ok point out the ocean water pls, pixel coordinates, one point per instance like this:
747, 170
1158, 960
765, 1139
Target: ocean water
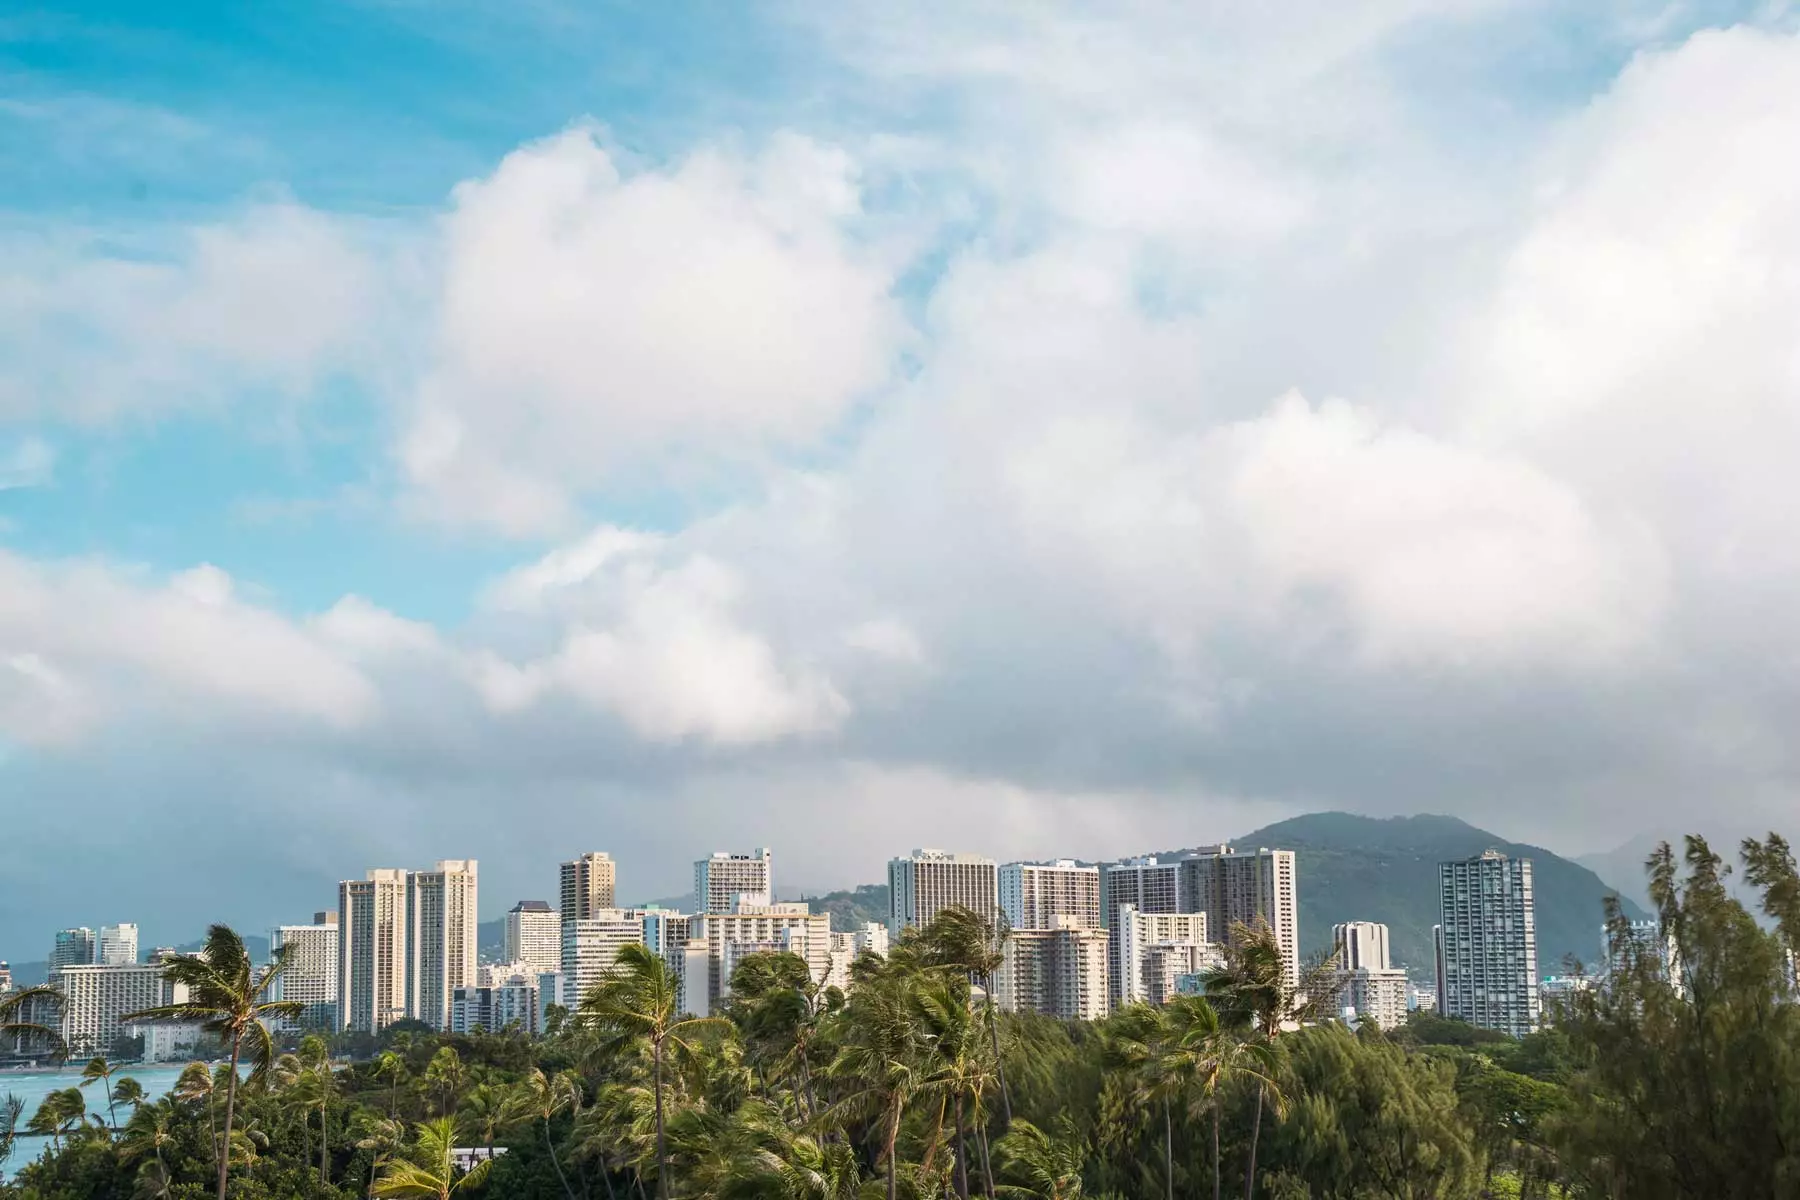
33, 1086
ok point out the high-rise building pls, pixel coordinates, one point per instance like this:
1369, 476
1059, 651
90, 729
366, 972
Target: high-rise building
311, 974
667, 932
117, 945
930, 880
97, 995
441, 937
1060, 972
499, 1001
728, 938
1646, 941
722, 878
1487, 943
1040, 895
871, 937
1360, 945
1153, 950
588, 887
1148, 885
372, 950
6, 982
1243, 887
590, 949
534, 934
73, 948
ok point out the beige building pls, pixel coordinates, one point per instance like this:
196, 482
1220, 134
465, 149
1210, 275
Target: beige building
311, 975
441, 934
534, 934
588, 887
931, 880
720, 879
1154, 949
1040, 895
1148, 885
1360, 945
1060, 972
1235, 887
97, 995
728, 938
117, 945
372, 950
590, 949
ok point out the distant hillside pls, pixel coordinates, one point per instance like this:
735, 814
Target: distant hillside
1363, 869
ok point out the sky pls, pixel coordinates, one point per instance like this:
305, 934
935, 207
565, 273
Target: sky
512, 430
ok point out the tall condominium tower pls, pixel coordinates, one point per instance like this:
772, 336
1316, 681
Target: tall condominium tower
117, 945
1155, 949
722, 878
1369, 988
1039, 895
1148, 885
1059, 971
931, 880
311, 977
750, 928
590, 949
1487, 943
588, 884
372, 950
534, 934
1235, 887
97, 995
73, 948
441, 920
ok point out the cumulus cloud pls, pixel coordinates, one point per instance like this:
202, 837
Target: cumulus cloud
593, 314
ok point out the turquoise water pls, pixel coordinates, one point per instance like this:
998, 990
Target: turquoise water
33, 1086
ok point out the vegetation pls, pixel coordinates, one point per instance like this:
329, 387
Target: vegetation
1661, 1085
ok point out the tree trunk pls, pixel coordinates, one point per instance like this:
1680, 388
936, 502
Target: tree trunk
1217, 1172
893, 1139
551, 1147
987, 1166
324, 1142
999, 1059
237, 1045
962, 1152
1168, 1149
1255, 1134
662, 1150
112, 1116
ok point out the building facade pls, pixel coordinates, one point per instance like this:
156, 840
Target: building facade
721, 878
441, 937
1487, 943
1244, 887
589, 884
499, 1002
1148, 885
931, 880
311, 974
590, 949
372, 950
97, 995
1040, 895
534, 935
1152, 950
117, 945
728, 938
72, 948
1360, 945
1368, 988
1060, 972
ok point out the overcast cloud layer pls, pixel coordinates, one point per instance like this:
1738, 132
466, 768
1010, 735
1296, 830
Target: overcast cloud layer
1083, 434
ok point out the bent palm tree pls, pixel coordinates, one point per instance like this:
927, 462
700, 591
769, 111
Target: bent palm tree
99, 1070
16, 1006
11, 1109
541, 1097
1049, 1168
228, 1000
638, 1002
428, 1170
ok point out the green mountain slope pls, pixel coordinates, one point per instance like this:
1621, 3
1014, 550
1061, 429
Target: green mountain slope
1355, 868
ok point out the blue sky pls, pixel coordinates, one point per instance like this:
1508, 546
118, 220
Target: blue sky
447, 430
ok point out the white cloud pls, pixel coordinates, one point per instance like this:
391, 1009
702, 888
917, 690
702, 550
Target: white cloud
31, 462
593, 316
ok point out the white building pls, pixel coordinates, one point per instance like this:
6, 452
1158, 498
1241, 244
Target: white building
311, 974
1561, 987
1646, 939
871, 937
534, 935
1153, 949
590, 949
667, 932
1368, 988
728, 938
97, 995
117, 945
722, 878
1148, 885
499, 1001
1060, 972
372, 950
73, 948
1487, 943
932, 880
441, 936
1234, 887
588, 886
1040, 895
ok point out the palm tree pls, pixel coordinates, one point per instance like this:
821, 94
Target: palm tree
99, 1070
542, 1097
1254, 992
957, 1067
1204, 1059
1049, 1166
486, 1113
15, 1005
963, 939
129, 1091
11, 1109
428, 1172
393, 1067
229, 1001
382, 1137
58, 1112
150, 1130
446, 1074
194, 1085
1137, 1043
637, 1001
880, 1060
